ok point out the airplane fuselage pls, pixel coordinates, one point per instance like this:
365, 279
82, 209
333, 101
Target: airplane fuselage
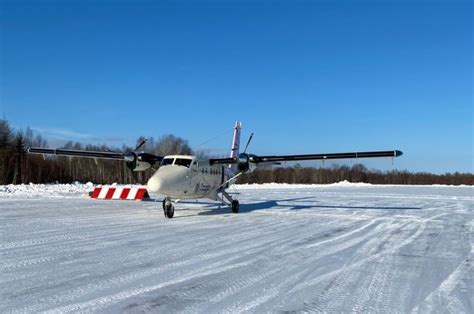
184, 177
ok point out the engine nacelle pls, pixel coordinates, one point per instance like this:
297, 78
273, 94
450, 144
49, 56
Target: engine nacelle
141, 166
244, 164
139, 162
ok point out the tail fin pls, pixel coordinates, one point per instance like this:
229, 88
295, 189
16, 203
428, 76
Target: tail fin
236, 140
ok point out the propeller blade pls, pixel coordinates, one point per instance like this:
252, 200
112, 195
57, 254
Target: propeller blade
140, 145
248, 142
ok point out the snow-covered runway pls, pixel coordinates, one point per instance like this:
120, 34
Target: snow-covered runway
343, 247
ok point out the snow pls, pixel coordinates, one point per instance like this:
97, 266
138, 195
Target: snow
337, 248
73, 190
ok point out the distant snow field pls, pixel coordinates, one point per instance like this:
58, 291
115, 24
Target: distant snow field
337, 248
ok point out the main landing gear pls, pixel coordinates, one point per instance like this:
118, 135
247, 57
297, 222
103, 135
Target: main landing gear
234, 204
168, 208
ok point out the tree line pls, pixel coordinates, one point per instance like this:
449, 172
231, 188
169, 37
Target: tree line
16, 166
356, 173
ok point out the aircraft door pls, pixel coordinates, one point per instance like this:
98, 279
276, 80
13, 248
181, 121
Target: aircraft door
193, 173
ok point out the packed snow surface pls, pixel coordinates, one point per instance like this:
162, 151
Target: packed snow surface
343, 247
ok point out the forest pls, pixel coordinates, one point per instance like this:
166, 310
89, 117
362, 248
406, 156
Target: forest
17, 166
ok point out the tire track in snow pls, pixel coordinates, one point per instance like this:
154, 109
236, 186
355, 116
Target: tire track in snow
198, 258
240, 281
333, 295
248, 251
441, 297
105, 301
261, 246
371, 292
272, 269
295, 273
344, 274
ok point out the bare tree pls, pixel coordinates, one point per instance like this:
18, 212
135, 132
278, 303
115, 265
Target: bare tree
18, 167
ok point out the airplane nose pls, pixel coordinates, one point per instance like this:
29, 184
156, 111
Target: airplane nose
155, 184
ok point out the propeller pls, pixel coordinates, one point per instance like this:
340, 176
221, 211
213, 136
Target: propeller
248, 142
141, 161
132, 156
243, 160
141, 144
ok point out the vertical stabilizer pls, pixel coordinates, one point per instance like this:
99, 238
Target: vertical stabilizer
236, 140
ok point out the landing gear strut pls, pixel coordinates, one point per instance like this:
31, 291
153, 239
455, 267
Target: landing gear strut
234, 204
168, 208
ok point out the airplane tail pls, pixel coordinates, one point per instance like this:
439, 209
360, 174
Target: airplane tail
236, 140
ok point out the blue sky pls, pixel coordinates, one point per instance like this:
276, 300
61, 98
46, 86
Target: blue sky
305, 76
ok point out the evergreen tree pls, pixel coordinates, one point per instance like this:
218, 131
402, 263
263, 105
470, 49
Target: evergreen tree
19, 153
6, 136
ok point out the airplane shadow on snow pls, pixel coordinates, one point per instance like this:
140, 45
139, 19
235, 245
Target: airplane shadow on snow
218, 209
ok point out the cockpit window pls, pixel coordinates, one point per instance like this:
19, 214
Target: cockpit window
167, 161
183, 162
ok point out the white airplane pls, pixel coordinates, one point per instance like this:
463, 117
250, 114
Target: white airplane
190, 177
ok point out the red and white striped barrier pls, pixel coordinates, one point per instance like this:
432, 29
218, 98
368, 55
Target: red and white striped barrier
119, 193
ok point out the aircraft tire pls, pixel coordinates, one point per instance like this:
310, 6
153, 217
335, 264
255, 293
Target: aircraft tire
169, 210
235, 206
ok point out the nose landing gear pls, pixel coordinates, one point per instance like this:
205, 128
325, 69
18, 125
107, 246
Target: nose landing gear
168, 208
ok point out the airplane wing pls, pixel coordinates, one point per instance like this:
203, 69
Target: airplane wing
76, 153
352, 155
277, 158
135, 161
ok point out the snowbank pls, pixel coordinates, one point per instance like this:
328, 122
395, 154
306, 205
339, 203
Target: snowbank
48, 190
51, 190
264, 186
79, 189
344, 183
